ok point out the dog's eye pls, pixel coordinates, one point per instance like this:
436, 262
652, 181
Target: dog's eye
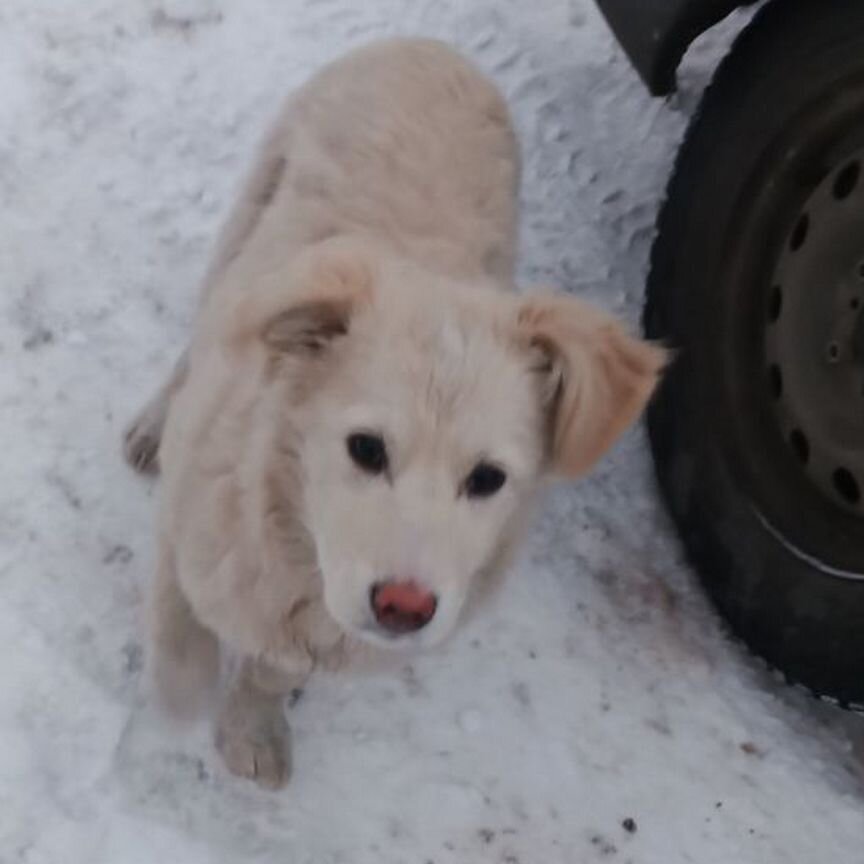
368, 452
484, 481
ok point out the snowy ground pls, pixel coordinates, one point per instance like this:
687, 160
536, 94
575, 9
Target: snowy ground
600, 688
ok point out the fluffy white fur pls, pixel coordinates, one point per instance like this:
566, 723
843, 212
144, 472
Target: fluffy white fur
362, 283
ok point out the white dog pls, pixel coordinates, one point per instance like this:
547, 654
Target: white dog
366, 408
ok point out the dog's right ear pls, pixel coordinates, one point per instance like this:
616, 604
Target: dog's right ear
302, 311
595, 378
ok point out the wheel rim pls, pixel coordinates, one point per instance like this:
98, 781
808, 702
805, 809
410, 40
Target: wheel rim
814, 336
771, 244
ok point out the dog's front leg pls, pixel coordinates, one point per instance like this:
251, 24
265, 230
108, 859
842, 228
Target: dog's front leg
183, 656
252, 733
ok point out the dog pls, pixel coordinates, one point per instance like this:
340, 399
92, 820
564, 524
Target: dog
367, 408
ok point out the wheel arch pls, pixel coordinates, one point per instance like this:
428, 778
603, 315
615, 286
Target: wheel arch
655, 35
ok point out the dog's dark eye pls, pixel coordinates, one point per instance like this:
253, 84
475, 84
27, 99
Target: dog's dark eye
368, 452
484, 481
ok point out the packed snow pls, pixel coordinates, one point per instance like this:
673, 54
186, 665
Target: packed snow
597, 712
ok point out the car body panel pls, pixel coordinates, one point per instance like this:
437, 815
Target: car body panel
656, 33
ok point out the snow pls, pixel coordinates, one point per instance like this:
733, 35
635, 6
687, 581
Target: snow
600, 687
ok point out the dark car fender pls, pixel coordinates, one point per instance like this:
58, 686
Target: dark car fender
656, 33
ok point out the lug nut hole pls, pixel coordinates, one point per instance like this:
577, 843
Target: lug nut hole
800, 446
846, 486
847, 180
775, 303
775, 380
799, 232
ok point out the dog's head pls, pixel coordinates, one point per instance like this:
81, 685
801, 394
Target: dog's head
422, 413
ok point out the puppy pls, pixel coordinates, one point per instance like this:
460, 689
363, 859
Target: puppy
366, 409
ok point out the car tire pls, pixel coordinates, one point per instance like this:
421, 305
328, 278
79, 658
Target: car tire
753, 281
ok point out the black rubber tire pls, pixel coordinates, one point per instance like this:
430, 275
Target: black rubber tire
782, 564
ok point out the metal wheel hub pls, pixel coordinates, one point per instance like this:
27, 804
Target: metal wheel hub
814, 336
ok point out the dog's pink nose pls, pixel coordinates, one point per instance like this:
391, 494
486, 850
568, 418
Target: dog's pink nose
402, 607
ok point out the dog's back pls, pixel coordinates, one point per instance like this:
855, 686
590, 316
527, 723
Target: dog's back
403, 142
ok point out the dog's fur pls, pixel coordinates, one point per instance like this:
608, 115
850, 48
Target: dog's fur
362, 283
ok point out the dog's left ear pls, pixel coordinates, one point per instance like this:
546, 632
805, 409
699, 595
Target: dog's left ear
302, 310
595, 378
329, 283
309, 326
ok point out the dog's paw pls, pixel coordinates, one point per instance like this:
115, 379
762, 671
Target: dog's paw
141, 442
254, 744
